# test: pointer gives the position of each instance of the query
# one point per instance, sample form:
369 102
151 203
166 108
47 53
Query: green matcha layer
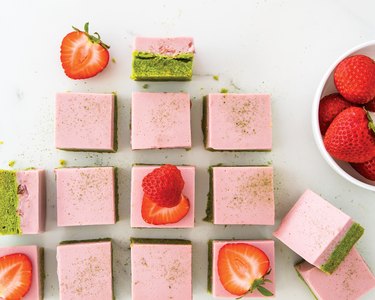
210 202
300 276
157 67
10 222
209 273
159 241
343 248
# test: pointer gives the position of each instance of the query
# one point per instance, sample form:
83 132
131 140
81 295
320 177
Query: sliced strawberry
158 215
242 268
15 276
83 55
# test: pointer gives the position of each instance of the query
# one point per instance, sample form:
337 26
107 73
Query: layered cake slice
21 272
241 268
319 232
351 280
161 269
237 122
86 121
162 59
241 195
84 269
160 120
86 196
22 201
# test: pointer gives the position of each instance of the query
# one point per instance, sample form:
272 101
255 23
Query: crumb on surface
113 60
224 90
215 77
11 163
1 142
145 86
62 162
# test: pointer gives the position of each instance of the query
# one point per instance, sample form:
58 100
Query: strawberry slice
154 214
242 268
83 55
15 276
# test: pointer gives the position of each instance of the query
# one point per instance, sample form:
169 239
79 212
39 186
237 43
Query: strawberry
330 106
370 106
164 185
366 169
242 268
15 276
351 136
355 78
158 215
83 55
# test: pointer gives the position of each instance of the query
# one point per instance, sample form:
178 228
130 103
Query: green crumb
145 86
11 163
159 241
113 60
1 142
62 163
224 90
215 77
30 168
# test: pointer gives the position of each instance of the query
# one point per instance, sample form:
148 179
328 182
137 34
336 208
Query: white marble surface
277 47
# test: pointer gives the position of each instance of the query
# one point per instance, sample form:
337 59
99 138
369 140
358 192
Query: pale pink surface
267 246
161 271
84 271
32 252
160 120
350 281
164 46
239 122
138 173
85 121
313 228
31 200
85 196
243 195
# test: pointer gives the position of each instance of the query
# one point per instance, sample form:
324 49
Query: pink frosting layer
312 226
138 173
350 281
267 246
85 271
239 122
35 292
32 200
160 120
164 46
243 195
161 271
85 121
85 196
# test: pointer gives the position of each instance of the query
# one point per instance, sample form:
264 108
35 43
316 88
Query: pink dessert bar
241 195
319 232
160 120
84 270
237 122
85 121
86 196
161 269
350 281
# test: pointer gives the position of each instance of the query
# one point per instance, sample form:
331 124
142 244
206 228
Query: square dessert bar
160 120
161 269
86 196
84 269
230 263
22 201
241 195
319 232
23 258
161 59
137 202
237 122
86 121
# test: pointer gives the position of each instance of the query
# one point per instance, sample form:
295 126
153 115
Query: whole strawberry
355 79
164 186
366 169
370 106
351 136
330 106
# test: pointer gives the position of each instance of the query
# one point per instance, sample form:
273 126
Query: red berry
366 169
330 106
164 185
355 79
370 106
351 136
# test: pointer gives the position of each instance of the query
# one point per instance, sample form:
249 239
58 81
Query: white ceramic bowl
327 87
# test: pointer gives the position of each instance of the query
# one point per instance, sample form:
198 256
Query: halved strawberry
242 268
154 214
83 55
15 276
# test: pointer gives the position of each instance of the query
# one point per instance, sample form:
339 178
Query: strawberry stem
94 39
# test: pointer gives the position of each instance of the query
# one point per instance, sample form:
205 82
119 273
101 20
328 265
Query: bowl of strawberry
344 114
